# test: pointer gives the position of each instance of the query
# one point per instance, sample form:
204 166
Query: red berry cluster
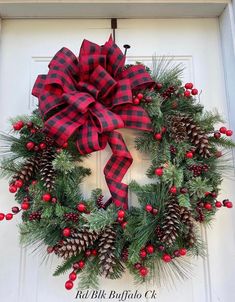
18 125
138 98
121 218
77 266
143 271
198 169
72 216
14 186
47 197
190 90
31 146
9 216
150 209
223 130
168 92
227 203
35 216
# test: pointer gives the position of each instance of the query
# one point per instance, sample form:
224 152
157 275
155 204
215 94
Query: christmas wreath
82 102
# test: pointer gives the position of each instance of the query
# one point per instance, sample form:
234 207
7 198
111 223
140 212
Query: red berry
218 154
12 188
166 258
183 190
183 252
25 206
159 171
229 204
120 219
229 133
18 125
159 86
223 130
54 200
140 96
158 136
218 204
30 146
69 285
88 253
2 216
66 232
217 135
189 154
19 183
187 93
42 146
46 197
214 194
143 254
50 249
148 99
136 101
173 190
163 129
33 131
65 145
177 253
148 208
137 266
207 193
75 265
150 249
124 224
143 271
194 91
81 264
9 216
208 206
155 212
121 214
34 182
188 85
72 276
94 252
81 207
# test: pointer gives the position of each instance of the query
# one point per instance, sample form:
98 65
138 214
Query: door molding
113 8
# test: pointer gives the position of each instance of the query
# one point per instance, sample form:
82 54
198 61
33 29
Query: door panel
26 48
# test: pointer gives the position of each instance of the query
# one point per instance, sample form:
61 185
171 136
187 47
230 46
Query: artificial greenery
141 226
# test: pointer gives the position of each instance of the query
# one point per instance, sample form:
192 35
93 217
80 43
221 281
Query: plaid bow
90 97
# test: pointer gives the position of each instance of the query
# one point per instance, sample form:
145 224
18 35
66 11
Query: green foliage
99 219
142 226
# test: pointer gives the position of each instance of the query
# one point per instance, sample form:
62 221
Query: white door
26 48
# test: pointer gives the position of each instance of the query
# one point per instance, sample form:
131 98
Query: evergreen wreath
81 103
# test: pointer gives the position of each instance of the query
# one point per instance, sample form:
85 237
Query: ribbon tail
116 168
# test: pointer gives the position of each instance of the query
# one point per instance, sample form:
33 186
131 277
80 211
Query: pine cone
28 170
171 221
183 127
106 250
79 241
47 172
187 219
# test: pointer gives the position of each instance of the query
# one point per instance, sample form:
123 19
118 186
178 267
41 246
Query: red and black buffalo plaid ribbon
91 96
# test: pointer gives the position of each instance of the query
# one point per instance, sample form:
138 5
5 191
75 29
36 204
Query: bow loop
88 63
79 100
103 81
